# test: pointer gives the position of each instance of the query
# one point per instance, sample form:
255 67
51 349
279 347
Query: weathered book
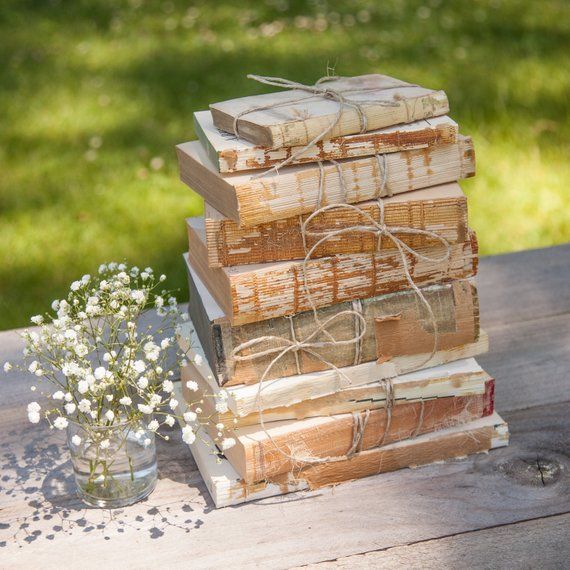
440 209
451 372
295 117
256 455
230 154
251 293
227 488
455 305
462 378
250 199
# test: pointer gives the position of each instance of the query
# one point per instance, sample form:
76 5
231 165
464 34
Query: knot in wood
533 471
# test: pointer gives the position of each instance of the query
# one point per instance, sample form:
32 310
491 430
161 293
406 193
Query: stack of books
332 292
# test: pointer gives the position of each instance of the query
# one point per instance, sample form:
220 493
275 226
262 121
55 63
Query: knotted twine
381 230
327 93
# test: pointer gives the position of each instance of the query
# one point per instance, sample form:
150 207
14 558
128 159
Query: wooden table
507 509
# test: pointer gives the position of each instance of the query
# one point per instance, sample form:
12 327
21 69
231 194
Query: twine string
320 89
281 346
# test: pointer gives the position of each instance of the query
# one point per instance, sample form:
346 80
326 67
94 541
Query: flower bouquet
111 370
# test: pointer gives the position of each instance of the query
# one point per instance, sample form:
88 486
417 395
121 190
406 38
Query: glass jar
114 466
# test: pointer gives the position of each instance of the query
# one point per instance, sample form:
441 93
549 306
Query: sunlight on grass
94 96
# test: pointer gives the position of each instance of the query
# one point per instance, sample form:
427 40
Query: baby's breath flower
190 417
192 386
188 435
142 382
169 421
220 426
75 285
99 373
84 406
145 409
153 425
60 423
81 350
34 417
105 444
76 440
228 443
70 408
125 401
221 407
110 415
198 360
7 366
173 404
168 386
37 319
59 395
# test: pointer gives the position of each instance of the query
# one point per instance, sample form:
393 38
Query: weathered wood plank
526 285
40 518
540 543
178 526
530 361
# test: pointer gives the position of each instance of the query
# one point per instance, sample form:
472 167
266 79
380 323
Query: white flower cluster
105 366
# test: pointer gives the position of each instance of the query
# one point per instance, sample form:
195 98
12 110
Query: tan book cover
230 154
450 372
455 305
300 116
440 209
250 293
227 488
250 199
257 453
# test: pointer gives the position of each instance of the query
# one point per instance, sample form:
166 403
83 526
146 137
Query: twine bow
326 92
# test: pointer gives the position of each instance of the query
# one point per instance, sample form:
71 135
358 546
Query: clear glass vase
113 466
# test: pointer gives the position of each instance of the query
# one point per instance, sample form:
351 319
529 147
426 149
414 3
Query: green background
94 96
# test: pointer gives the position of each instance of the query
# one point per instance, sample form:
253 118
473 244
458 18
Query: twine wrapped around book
320 89
309 345
381 230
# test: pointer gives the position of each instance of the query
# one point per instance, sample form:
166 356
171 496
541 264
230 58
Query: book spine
278 290
229 245
334 436
267 199
338 148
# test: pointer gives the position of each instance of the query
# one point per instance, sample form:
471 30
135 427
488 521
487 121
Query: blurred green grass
95 94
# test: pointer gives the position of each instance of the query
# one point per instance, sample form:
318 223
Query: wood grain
538 543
